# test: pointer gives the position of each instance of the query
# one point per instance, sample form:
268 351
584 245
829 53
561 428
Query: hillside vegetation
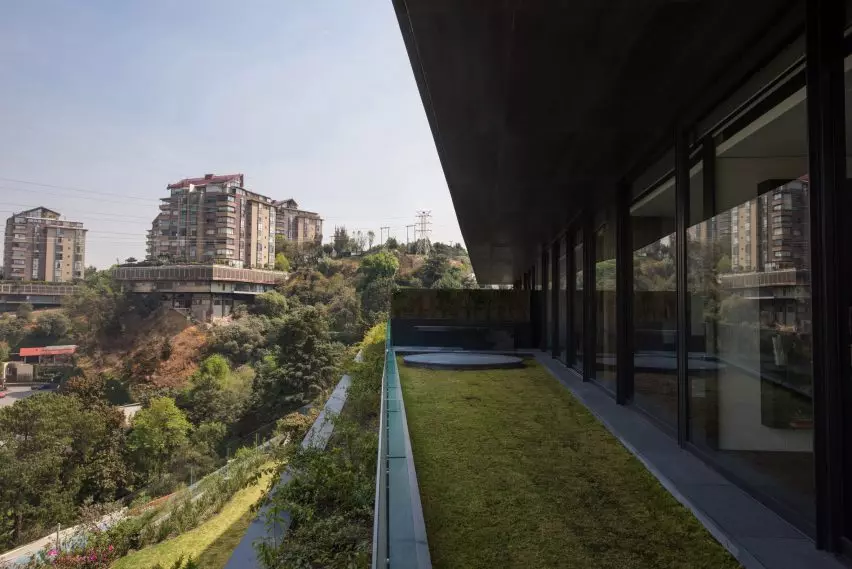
206 391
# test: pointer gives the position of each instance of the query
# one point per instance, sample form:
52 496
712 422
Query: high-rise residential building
296 224
39 246
214 219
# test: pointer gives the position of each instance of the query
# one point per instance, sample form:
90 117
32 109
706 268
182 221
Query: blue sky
313 100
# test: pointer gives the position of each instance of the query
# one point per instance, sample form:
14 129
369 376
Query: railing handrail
399 532
380 533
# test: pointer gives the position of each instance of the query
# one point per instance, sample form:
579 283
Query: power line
73 189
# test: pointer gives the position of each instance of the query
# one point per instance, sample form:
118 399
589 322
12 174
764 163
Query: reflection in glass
605 301
750 343
652 219
548 299
577 305
563 299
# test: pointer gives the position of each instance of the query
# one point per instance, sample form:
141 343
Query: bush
24 311
296 424
181 513
242 341
330 497
52 326
272 304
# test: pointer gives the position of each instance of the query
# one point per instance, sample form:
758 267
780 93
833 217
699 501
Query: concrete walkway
756 536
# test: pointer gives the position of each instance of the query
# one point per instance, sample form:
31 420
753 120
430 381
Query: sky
104 103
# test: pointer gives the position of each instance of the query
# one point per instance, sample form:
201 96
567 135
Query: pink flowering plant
88 558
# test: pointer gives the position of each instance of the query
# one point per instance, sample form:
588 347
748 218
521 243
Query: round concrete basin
462 361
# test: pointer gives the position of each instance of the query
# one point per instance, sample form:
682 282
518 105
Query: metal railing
380 519
399 531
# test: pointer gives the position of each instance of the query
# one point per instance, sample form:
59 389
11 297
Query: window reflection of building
605 299
563 299
750 366
652 219
578 302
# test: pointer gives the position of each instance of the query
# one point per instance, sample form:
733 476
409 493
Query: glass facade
652 222
728 360
577 305
548 298
563 299
605 300
750 344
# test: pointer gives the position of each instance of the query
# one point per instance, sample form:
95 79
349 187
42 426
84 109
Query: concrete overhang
539 109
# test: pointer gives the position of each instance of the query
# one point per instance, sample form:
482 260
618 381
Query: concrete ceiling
539 108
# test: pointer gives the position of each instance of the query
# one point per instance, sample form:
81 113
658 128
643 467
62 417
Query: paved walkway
754 534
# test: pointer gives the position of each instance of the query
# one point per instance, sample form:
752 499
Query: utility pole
424 245
407 240
382 232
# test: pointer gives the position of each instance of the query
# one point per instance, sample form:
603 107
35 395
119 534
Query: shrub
24 311
52 326
329 498
272 304
242 341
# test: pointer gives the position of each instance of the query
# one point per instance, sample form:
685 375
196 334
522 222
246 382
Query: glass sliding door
749 339
563 299
652 220
605 300
551 305
578 305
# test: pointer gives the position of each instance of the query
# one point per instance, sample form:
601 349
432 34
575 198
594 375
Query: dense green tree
392 244
312 288
12 330
208 436
433 269
271 303
341 239
157 432
448 280
56 453
25 311
242 341
93 307
344 316
281 262
216 368
376 299
304 362
52 326
378 266
211 399
4 351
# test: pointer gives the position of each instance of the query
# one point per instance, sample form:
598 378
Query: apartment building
214 219
296 224
39 246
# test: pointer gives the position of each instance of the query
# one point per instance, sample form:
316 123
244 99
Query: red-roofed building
214 219
208 179
48 355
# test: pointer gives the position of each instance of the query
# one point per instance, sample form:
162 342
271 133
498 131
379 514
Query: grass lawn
211 543
515 472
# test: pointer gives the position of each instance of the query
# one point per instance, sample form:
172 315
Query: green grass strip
211 543
515 472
